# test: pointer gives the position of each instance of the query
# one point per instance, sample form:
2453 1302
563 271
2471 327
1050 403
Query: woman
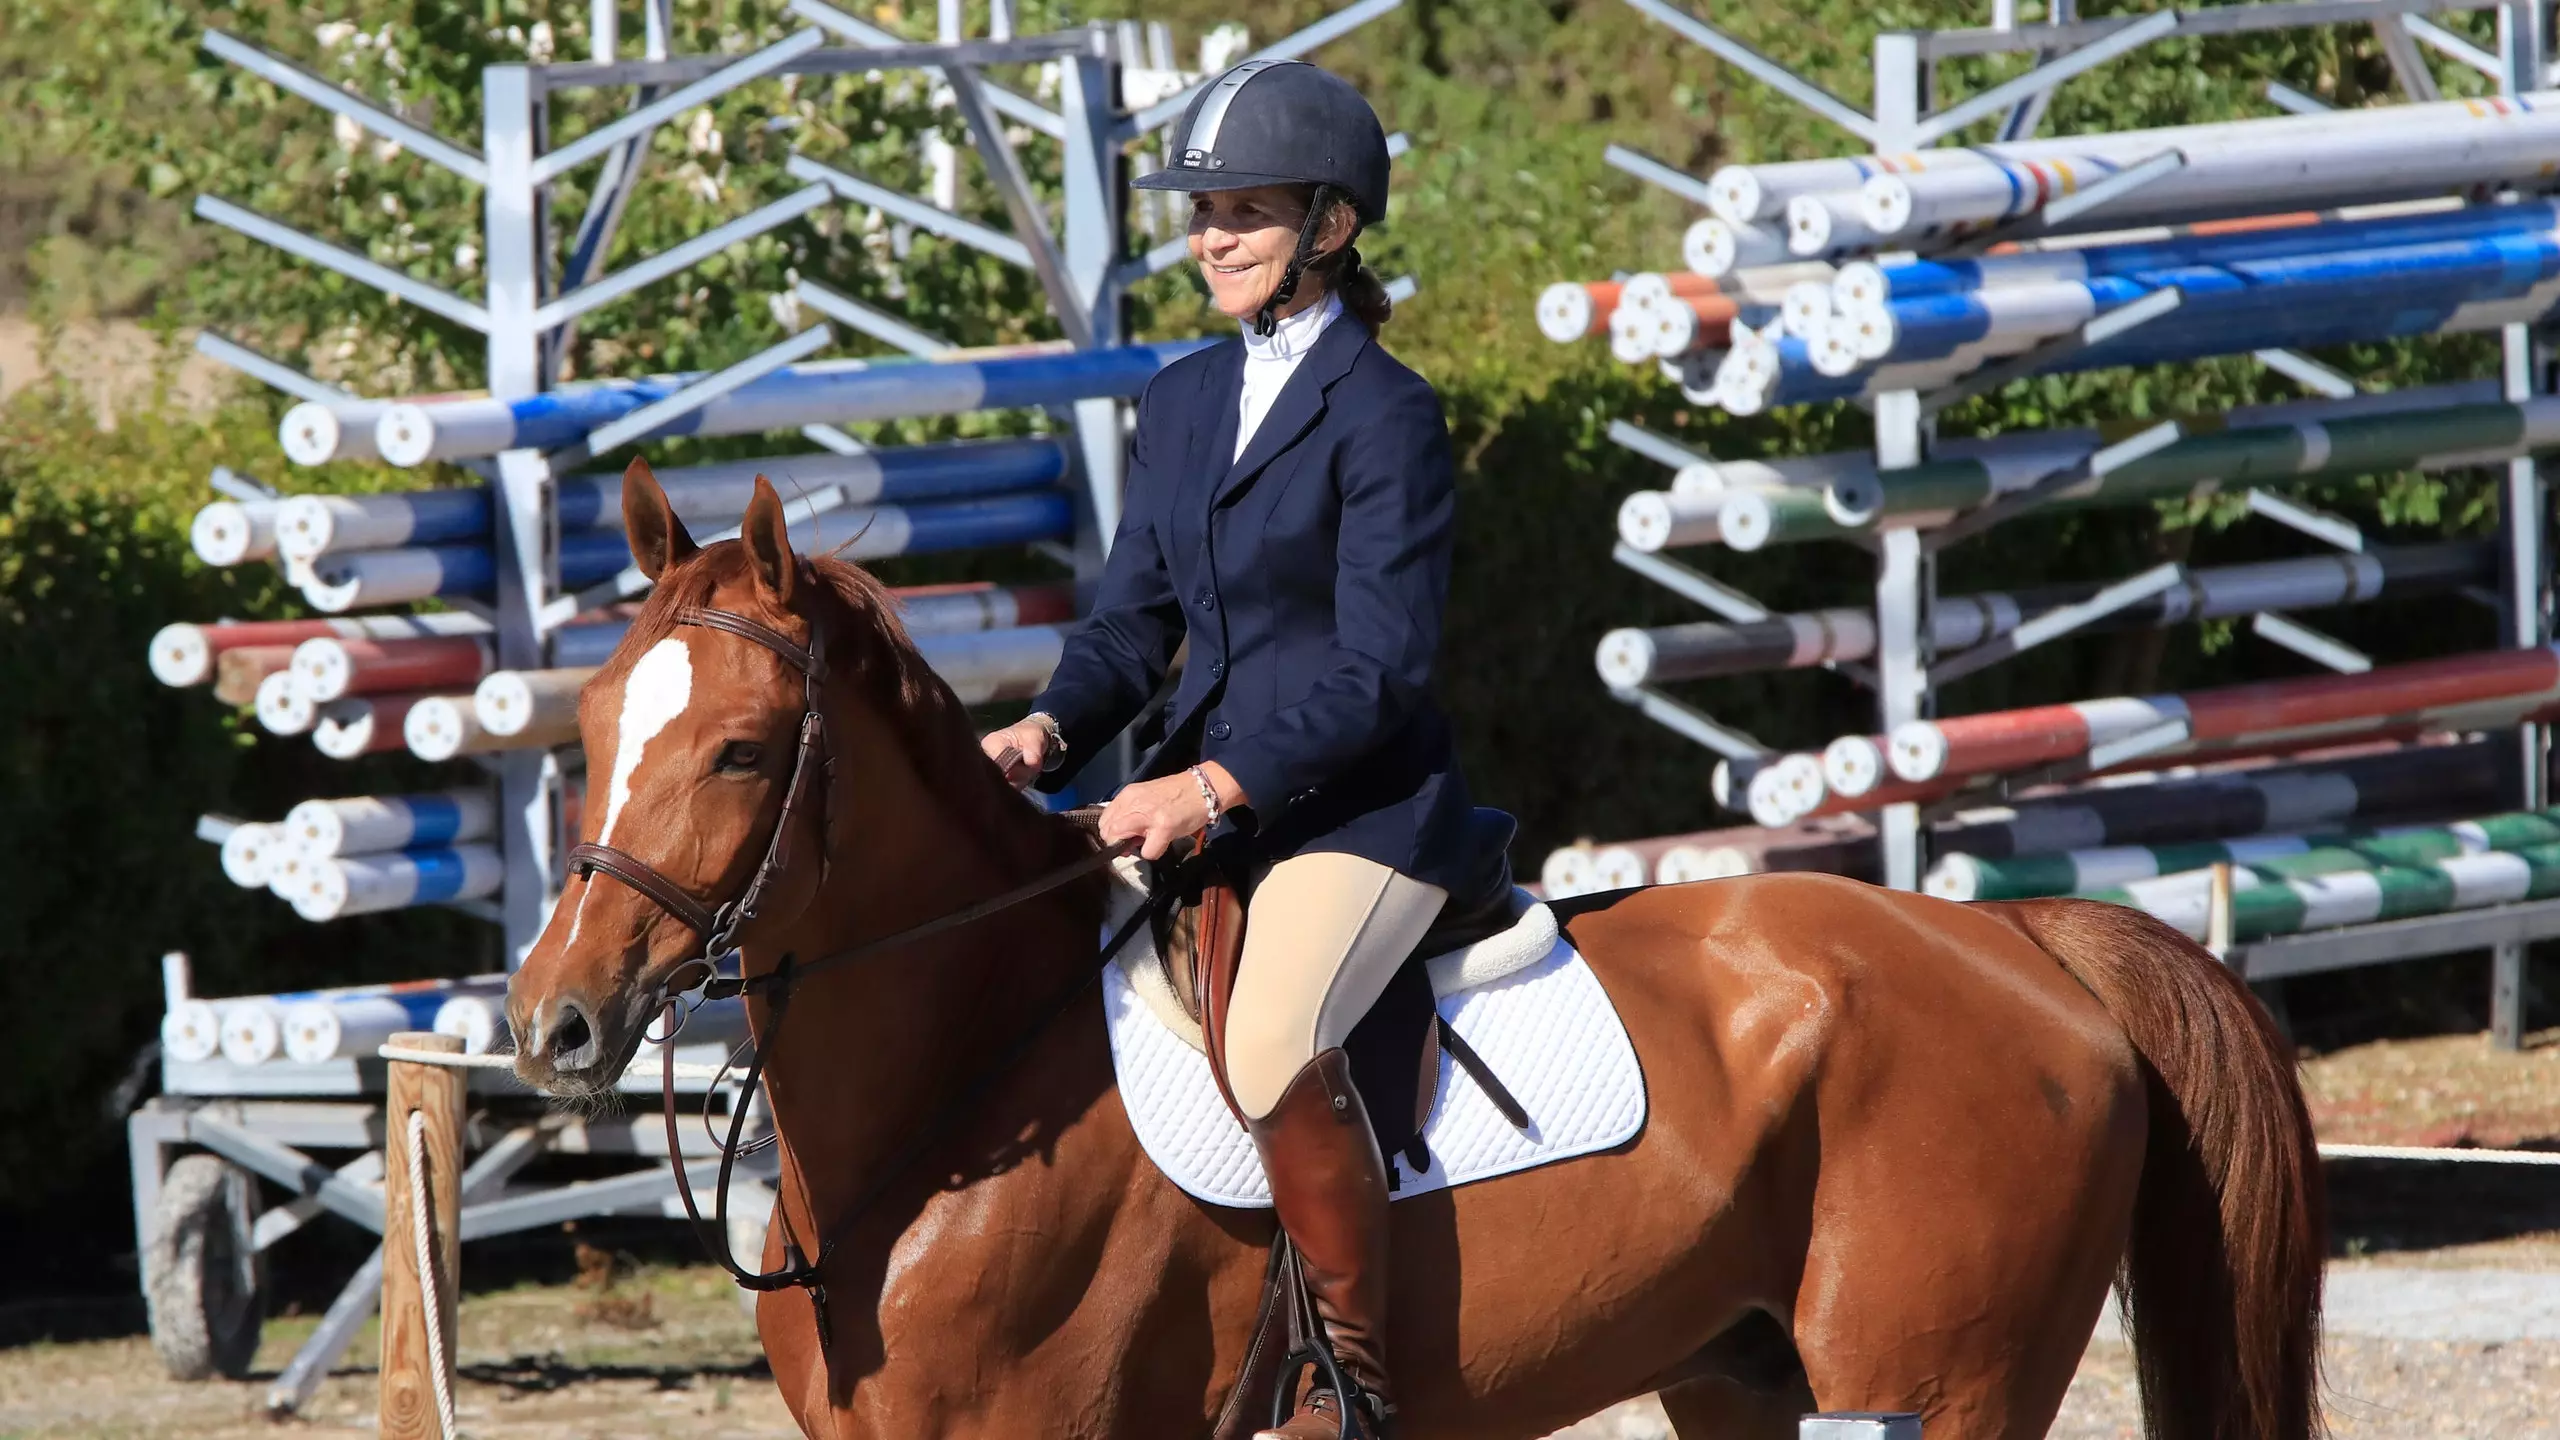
1289 511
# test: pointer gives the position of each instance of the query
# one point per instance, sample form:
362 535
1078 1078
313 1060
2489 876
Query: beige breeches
1322 938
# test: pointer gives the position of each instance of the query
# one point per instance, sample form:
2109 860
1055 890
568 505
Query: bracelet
1209 793
1057 739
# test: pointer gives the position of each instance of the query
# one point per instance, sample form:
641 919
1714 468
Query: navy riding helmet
1281 122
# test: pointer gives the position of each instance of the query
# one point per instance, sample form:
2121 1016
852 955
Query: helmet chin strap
1267 319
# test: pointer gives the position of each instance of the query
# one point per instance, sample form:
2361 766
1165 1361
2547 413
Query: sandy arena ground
666 1352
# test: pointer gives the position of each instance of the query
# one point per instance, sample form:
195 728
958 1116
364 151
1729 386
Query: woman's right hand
1028 740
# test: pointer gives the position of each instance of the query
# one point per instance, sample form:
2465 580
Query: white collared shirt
1270 360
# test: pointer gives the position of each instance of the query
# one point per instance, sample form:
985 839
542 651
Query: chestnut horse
1898 1147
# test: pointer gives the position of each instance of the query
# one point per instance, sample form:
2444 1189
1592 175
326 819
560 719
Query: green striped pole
2081 872
2263 907
2204 461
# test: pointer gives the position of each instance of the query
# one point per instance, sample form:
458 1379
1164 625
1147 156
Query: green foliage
106 771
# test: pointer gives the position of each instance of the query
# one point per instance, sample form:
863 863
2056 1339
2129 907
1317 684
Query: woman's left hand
1164 810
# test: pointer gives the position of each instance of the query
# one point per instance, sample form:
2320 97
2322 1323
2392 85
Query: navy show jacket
1309 575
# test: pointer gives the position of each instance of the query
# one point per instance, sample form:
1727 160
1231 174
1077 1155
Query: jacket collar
1300 404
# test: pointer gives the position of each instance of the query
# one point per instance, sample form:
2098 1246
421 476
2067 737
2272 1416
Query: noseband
717 925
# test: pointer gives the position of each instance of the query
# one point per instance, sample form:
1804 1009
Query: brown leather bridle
719 924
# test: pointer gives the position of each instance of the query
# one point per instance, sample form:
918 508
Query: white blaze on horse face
653 695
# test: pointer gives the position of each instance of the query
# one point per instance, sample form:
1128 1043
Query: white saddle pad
1545 1028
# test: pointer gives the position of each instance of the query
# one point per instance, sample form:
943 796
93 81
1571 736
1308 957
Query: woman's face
1243 240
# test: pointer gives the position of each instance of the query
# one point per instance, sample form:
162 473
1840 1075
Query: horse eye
739 755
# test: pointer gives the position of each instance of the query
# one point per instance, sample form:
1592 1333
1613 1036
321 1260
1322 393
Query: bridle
718 925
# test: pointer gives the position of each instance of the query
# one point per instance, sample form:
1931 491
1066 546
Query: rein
718 925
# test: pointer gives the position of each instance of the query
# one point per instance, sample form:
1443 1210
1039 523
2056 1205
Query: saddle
1395 1049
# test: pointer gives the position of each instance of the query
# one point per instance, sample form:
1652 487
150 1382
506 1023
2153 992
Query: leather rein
717 925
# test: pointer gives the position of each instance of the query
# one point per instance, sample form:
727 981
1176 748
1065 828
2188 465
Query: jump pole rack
1904 675
1117 87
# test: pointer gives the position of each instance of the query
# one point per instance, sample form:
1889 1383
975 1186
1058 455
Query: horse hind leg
1979 1325
1746 1384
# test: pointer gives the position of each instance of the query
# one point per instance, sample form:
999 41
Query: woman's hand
1163 811
1029 742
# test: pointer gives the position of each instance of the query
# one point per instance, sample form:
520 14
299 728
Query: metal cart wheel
203 1276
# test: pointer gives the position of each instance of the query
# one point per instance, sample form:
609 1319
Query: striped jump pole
364 725
186 654
1972 877
541 706
2461 147
2392 781
1841 845
250 851
353 1027
1571 310
359 578
362 824
1710 649
1868 285
2499 258
1748 194
332 667
363 884
1693 506
442 727
1806 792
281 706
2518 680
2304 301
310 526
1718 247
2265 907
2231 319
833 392
233 532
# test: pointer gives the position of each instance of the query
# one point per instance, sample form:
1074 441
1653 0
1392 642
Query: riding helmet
1279 122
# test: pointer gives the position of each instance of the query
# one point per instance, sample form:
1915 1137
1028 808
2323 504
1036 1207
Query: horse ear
659 541
768 540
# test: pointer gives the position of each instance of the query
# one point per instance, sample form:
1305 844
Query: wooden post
2218 917
409 1410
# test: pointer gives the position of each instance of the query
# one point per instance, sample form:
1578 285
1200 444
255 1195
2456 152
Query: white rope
2428 1152
645 1068
418 1227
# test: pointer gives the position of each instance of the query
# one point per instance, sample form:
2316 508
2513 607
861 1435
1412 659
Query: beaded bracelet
1208 794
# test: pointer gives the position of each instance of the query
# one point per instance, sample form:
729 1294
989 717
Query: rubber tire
204 1280
750 1215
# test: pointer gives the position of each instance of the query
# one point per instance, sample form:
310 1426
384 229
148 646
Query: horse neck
875 1050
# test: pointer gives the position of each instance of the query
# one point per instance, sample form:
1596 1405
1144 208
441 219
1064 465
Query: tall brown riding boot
1330 1189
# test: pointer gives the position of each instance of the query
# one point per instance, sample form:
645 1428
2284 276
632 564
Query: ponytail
1359 288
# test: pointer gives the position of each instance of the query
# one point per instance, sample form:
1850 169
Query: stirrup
1360 1419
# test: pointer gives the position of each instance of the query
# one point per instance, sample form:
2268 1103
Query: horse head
702 780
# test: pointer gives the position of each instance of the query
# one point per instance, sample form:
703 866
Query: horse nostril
571 1037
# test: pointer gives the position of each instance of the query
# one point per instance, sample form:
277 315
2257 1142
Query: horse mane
868 646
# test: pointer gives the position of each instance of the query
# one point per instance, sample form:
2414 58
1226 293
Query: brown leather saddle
1395 1049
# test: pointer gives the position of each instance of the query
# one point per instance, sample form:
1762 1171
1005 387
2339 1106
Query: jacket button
1220 730
1218 670
1208 601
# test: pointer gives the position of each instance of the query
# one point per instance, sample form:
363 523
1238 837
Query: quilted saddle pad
1547 1031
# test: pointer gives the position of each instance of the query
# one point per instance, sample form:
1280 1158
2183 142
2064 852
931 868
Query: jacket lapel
1295 411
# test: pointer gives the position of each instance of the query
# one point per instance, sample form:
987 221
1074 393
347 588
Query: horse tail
2221 1281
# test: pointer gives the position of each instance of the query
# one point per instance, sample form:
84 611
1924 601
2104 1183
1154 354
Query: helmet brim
1190 180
